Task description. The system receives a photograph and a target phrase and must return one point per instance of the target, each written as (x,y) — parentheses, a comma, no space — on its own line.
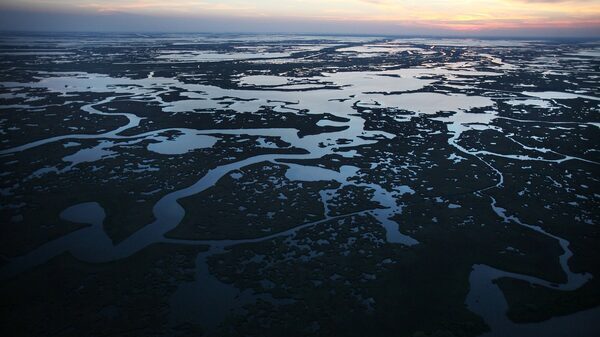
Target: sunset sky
(410,17)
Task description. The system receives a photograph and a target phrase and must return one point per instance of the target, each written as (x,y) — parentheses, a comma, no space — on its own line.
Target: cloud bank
(519,18)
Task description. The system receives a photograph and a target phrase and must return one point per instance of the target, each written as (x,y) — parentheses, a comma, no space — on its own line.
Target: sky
(519,18)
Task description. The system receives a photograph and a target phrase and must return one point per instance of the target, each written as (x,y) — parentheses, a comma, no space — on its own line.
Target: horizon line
(317,34)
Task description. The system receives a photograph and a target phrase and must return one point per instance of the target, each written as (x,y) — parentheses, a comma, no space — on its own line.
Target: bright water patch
(182,143)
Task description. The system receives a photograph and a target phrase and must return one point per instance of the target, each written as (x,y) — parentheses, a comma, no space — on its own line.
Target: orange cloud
(460,15)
